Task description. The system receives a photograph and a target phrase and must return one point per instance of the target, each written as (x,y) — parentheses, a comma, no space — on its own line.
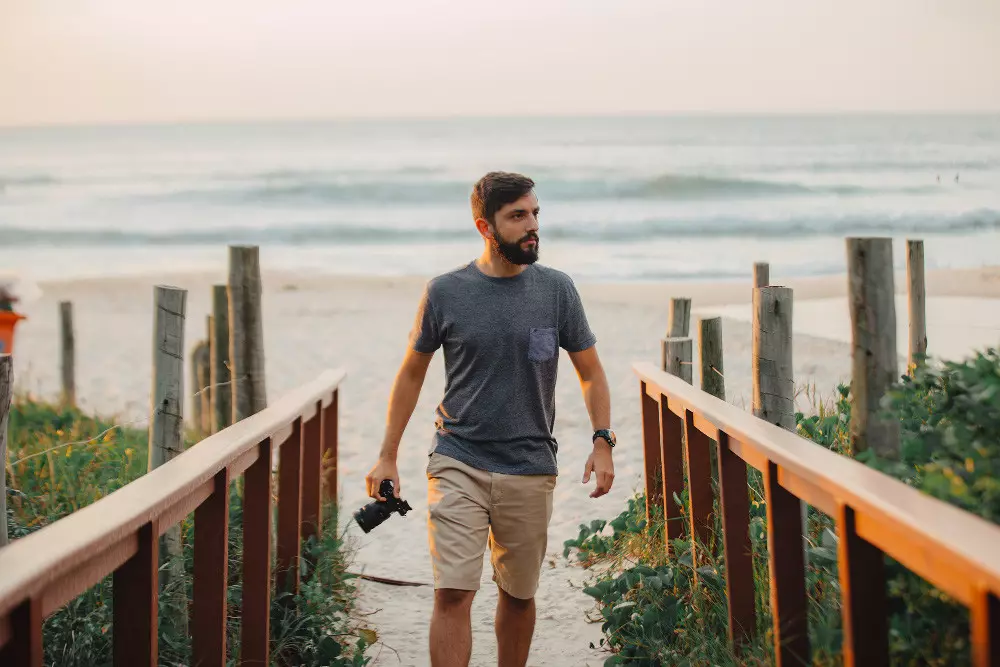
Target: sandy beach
(361,324)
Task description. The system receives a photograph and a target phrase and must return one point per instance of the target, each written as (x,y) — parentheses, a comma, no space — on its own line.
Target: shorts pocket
(542,344)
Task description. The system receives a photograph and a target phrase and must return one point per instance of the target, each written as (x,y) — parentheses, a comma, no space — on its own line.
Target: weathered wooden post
(774,401)
(679,318)
(6,392)
(873,329)
(196,414)
(761,274)
(166,421)
(68,353)
(710,352)
(205,387)
(918,303)
(222,392)
(246,341)
(676,358)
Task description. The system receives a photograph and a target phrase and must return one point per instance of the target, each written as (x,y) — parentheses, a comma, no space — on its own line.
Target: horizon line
(333,118)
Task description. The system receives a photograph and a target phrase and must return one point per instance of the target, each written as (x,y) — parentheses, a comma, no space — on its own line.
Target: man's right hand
(384,469)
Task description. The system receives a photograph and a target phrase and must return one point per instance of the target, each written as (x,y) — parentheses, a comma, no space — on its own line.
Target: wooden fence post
(166,422)
(680,318)
(676,358)
(6,392)
(68,353)
(773,382)
(918,302)
(222,392)
(873,332)
(710,352)
(196,413)
(246,342)
(761,274)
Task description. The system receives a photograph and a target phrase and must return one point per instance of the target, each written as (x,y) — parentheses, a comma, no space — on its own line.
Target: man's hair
(496,189)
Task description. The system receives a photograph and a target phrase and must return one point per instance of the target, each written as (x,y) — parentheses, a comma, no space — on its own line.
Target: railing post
(985,620)
(861,569)
(789,604)
(652,462)
(136,593)
(286,569)
(256,623)
(873,333)
(211,571)
(312,473)
(68,353)
(917,293)
(699,474)
(24,649)
(735,507)
(6,393)
(331,428)
(672,456)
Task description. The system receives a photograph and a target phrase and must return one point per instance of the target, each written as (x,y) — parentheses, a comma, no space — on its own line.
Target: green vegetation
(660,609)
(315,629)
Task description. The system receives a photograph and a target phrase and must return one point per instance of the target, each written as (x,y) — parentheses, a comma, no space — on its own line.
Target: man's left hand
(601,465)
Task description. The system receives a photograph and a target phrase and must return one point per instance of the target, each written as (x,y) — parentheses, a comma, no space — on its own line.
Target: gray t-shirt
(501,339)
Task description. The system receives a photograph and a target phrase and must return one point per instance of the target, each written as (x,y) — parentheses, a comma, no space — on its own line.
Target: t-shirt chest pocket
(543,344)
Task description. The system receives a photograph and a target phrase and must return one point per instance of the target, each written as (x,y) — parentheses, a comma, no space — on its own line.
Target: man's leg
(515,623)
(451,628)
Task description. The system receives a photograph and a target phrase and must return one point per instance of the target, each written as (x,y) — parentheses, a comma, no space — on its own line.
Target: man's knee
(453,600)
(517,604)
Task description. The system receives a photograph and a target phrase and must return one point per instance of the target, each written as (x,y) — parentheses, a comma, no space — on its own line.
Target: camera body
(374,513)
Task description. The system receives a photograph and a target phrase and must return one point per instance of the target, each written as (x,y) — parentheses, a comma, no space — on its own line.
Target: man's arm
(597,397)
(402,401)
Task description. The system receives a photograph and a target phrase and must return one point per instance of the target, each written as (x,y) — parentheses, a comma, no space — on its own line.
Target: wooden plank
(917,300)
(136,594)
(247,332)
(873,333)
(651,459)
(67,355)
(865,612)
(789,604)
(676,358)
(24,648)
(256,608)
(286,569)
(672,457)
(222,396)
(331,435)
(713,381)
(312,473)
(680,318)
(734,503)
(211,572)
(761,274)
(699,475)
(984,616)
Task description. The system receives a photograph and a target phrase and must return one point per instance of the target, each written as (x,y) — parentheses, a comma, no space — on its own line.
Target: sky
(115,61)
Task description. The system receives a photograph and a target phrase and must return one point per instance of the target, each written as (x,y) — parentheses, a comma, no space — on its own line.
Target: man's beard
(514,253)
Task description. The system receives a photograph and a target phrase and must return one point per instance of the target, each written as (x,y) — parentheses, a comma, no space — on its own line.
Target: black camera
(374,513)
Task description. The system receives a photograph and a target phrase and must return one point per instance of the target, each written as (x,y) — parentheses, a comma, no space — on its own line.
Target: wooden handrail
(43,571)
(876,514)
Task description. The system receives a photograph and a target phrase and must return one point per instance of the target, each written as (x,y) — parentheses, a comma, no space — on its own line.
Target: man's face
(515,230)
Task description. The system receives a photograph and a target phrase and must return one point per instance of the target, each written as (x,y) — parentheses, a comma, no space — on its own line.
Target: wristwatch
(605,433)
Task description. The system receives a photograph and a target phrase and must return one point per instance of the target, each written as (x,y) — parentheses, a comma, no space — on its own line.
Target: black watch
(605,433)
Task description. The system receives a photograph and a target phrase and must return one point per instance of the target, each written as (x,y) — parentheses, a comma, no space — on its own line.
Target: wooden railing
(119,535)
(875,514)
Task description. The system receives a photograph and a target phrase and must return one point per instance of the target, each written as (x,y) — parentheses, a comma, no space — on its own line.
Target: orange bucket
(7,322)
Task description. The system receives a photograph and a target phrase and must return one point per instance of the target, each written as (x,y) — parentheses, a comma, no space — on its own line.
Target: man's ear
(484,228)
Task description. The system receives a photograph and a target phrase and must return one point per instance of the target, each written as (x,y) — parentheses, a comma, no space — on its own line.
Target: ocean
(623,198)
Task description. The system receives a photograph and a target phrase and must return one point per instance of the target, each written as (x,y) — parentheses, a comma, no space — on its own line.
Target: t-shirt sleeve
(575,334)
(425,336)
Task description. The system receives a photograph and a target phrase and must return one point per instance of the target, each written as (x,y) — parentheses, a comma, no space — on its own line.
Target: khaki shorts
(468,508)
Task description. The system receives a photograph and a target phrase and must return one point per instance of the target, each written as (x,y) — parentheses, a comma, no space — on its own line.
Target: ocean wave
(983,220)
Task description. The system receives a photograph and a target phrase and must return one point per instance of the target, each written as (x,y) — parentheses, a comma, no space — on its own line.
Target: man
(492,469)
